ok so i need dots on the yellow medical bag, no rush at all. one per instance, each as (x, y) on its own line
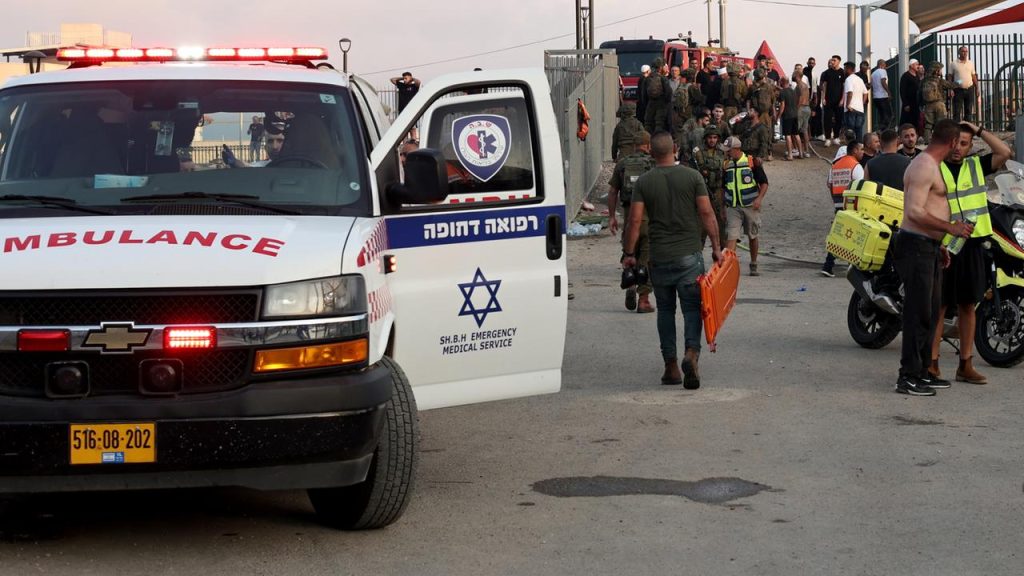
(875, 201)
(858, 239)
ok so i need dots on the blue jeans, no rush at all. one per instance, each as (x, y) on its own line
(855, 121)
(673, 280)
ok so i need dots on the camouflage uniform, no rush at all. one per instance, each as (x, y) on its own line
(934, 89)
(758, 141)
(734, 92)
(624, 176)
(658, 104)
(692, 137)
(762, 95)
(626, 133)
(709, 162)
(681, 112)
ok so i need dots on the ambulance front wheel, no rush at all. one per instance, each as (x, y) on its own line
(382, 497)
(869, 325)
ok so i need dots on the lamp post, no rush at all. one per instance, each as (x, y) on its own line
(345, 44)
(585, 13)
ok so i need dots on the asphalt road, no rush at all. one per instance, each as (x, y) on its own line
(795, 457)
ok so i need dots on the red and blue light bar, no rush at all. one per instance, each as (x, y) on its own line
(191, 54)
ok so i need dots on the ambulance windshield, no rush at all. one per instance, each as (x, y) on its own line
(289, 145)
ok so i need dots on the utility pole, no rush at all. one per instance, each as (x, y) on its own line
(904, 31)
(851, 33)
(865, 32)
(709, 22)
(579, 25)
(721, 24)
(584, 31)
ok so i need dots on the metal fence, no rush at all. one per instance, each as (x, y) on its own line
(593, 77)
(998, 62)
(208, 153)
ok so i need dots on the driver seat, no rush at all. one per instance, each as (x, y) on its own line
(307, 137)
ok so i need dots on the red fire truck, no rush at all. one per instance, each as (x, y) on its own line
(633, 54)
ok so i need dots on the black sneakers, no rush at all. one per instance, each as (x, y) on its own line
(631, 298)
(913, 386)
(933, 382)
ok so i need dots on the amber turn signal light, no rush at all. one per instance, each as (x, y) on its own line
(320, 356)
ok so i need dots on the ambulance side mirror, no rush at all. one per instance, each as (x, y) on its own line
(426, 179)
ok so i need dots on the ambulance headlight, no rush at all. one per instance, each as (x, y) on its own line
(335, 296)
(1018, 232)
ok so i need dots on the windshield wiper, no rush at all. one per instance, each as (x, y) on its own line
(66, 203)
(243, 199)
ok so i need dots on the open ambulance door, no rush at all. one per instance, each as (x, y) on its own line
(479, 293)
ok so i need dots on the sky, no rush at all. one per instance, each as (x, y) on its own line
(392, 36)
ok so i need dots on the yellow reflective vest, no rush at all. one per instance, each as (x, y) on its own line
(740, 187)
(968, 196)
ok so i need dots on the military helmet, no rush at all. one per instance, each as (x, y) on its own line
(627, 109)
(688, 73)
(711, 130)
(733, 69)
(934, 66)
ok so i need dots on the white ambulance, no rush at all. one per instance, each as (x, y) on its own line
(175, 312)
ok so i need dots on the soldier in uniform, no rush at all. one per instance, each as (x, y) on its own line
(659, 98)
(757, 142)
(681, 111)
(934, 89)
(734, 91)
(620, 192)
(708, 159)
(626, 131)
(693, 134)
(696, 97)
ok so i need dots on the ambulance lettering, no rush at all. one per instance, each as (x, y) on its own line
(240, 242)
(480, 299)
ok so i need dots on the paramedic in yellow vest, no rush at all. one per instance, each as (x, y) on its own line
(964, 281)
(844, 171)
(744, 185)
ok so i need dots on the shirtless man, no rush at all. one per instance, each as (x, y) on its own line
(919, 257)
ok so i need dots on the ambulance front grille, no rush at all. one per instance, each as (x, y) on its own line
(140, 307)
(23, 374)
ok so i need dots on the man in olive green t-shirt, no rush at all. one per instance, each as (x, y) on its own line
(677, 204)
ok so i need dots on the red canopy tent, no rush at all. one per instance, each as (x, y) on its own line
(767, 51)
(1008, 16)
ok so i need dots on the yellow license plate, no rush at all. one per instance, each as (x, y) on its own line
(113, 443)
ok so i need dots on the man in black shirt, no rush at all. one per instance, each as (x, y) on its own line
(832, 97)
(888, 167)
(910, 87)
(407, 87)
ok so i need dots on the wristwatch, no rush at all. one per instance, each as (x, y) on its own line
(980, 130)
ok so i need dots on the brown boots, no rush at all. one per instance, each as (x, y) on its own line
(672, 376)
(643, 305)
(691, 376)
(966, 373)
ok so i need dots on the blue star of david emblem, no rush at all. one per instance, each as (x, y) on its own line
(469, 308)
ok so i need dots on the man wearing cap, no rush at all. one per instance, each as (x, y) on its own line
(676, 202)
(708, 159)
(744, 185)
(910, 106)
(934, 90)
(407, 87)
(641, 94)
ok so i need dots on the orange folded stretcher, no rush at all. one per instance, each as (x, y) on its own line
(718, 288)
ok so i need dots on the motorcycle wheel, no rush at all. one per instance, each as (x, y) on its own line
(869, 326)
(999, 334)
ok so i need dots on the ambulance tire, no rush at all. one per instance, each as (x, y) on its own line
(869, 326)
(1000, 337)
(383, 496)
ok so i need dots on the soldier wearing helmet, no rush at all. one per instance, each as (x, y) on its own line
(627, 131)
(708, 159)
(934, 91)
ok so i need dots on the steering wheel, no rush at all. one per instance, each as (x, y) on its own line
(296, 158)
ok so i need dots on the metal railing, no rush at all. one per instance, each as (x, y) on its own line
(591, 76)
(997, 60)
(209, 153)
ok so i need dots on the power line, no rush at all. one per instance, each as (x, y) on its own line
(800, 4)
(517, 46)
